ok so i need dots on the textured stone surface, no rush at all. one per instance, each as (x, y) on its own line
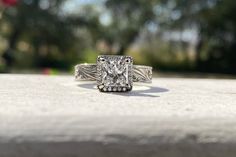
(56, 116)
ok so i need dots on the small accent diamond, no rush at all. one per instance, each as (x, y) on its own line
(119, 89)
(114, 89)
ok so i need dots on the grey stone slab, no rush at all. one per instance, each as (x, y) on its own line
(56, 116)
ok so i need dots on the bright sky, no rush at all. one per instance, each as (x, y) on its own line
(72, 5)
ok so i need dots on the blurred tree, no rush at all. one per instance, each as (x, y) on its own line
(43, 25)
(217, 45)
(5, 4)
(127, 20)
(58, 40)
(216, 23)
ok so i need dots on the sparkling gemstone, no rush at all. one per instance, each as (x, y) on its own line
(114, 71)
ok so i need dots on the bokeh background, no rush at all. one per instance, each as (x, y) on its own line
(51, 36)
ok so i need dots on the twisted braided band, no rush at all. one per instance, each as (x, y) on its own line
(88, 72)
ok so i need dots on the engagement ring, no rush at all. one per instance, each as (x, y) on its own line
(114, 73)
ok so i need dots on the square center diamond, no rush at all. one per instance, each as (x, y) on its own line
(114, 73)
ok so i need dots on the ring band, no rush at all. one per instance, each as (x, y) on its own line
(114, 73)
(88, 72)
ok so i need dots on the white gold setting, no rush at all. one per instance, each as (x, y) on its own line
(114, 73)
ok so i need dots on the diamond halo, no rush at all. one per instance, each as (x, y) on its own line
(114, 73)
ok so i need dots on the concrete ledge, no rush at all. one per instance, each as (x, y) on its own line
(56, 116)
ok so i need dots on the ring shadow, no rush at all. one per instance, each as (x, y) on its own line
(135, 93)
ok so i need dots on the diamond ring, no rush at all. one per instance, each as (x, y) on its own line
(114, 73)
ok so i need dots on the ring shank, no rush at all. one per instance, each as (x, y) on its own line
(88, 72)
(142, 73)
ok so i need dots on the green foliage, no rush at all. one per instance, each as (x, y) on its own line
(216, 22)
(40, 34)
(50, 34)
(218, 38)
(128, 19)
